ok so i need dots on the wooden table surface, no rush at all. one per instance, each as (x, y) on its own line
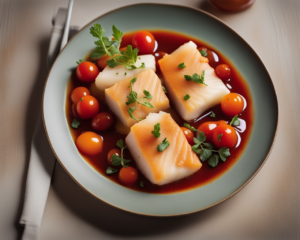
(267, 208)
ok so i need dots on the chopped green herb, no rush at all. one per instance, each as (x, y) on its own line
(125, 73)
(186, 97)
(75, 123)
(112, 48)
(110, 171)
(190, 127)
(163, 145)
(117, 73)
(164, 89)
(196, 78)
(80, 99)
(205, 150)
(212, 114)
(141, 184)
(213, 161)
(235, 121)
(203, 52)
(219, 137)
(130, 111)
(181, 65)
(156, 132)
(80, 61)
(119, 160)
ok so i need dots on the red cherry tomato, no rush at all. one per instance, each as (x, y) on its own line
(102, 121)
(212, 57)
(188, 134)
(74, 111)
(208, 129)
(144, 41)
(87, 71)
(223, 71)
(78, 93)
(87, 107)
(224, 136)
(111, 153)
(128, 175)
(89, 143)
(232, 104)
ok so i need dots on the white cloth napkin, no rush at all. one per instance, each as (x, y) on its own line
(40, 170)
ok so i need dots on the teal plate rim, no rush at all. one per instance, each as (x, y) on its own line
(262, 91)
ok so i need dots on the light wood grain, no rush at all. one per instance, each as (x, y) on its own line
(267, 208)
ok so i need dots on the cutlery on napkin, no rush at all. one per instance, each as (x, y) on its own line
(42, 159)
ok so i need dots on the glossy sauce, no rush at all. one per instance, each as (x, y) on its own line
(168, 42)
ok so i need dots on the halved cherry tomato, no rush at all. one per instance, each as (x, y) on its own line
(128, 175)
(208, 129)
(87, 107)
(224, 136)
(144, 41)
(111, 153)
(102, 121)
(232, 104)
(78, 93)
(87, 71)
(89, 143)
(188, 134)
(212, 57)
(223, 71)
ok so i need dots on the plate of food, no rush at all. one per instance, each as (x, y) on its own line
(160, 110)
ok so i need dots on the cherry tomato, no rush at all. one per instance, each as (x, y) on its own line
(144, 41)
(128, 175)
(212, 57)
(111, 153)
(102, 121)
(188, 134)
(223, 71)
(232, 104)
(87, 71)
(224, 136)
(87, 107)
(78, 93)
(89, 143)
(208, 129)
(74, 111)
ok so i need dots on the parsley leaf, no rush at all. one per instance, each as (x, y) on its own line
(203, 52)
(181, 65)
(201, 137)
(235, 121)
(120, 144)
(196, 78)
(104, 46)
(162, 146)
(224, 153)
(130, 111)
(80, 61)
(213, 161)
(147, 94)
(190, 127)
(110, 171)
(220, 136)
(156, 132)
(206, 153)
(164, 89)
(212, 114)
(186, 97)
(75, 123)
(119, 160)
(141, 184)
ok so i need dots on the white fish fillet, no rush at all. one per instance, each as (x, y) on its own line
(109, 76)
(201, 97)
(174, 163)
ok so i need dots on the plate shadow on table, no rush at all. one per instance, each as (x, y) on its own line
(33, 112)
(104, 216)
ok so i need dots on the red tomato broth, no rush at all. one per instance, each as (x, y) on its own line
(168, 42)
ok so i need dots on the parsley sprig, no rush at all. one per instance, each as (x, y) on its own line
(163, 145)
(196, 78)
(156, 130)
(235, 121)
(111, 48)
(205, 150)
(133, 97)
(118, 160)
